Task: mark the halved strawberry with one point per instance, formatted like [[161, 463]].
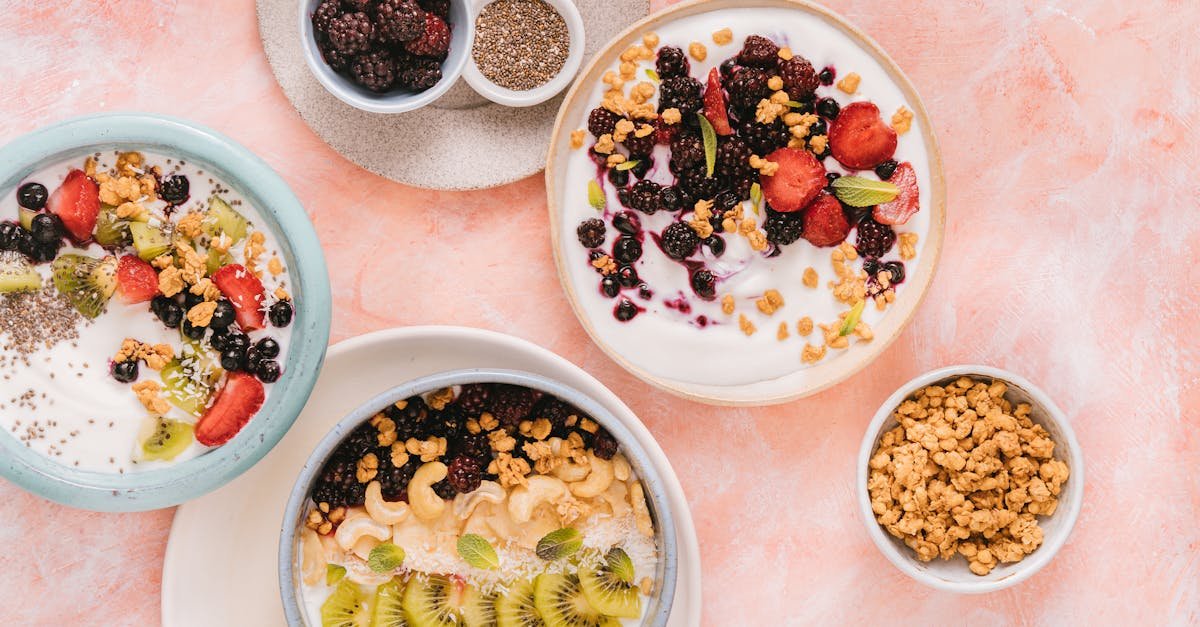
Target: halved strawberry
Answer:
[[77, 204], [824, 222], [907, 203], [245, 293], [235, 405], [137, 282], [799, 178], [714, 104], [859, 138]]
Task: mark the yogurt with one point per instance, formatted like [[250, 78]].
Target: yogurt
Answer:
[[686, 343], [61, 400]]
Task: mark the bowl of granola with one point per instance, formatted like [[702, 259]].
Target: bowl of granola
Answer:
[[970, 479], [476, 497]]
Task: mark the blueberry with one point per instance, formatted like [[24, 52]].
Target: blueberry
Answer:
[[620, 178], [236, 341], [167, 310], [46, 228], [827, 75], [820, 128], [219, 339], [32, 196], [871, 266], [645, 292], [223, 315], [253, 358], [609, 287], [125, 371], [672, 199], [704, 284], [643, 166], [627, 276], [715, 245], [827, 108], [896, 269], [625, 310], [44, 252], [886, 169], [728, 67], [627, 250], [8, 235], [267, 371], [192, 331], [627, 222], [268, 348], [623, 196], [726, 200], [232, 359], [281, 313], [173, 188], [25, 242], [191, 300]]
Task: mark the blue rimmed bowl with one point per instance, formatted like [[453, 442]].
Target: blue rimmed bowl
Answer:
[[250, 176], [666, 575]]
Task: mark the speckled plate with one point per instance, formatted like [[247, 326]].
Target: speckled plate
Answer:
[[458, 129]]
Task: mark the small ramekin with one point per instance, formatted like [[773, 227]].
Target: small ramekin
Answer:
[[953, 575], [542, 93]]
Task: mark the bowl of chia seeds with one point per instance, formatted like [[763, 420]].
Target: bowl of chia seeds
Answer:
[[524, 51]]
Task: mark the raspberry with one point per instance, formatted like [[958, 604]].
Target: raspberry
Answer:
[[410, 419], [434, 42], [686, 151], [644, 197], [604, 445], [440, 8], [601, 121], [696, 185], [759, 51], [512, 403], [683, 93], [874, 239], [351, 33], [639, 147], [733, 159], [671, 62], [399, 20], [374, 70], [420, 74], [325, 14], [799, 78], [764, 138], [474, 398], [464, 473], [748, 87], [783, 228], [338, 484], [679, 241], [591, 233]]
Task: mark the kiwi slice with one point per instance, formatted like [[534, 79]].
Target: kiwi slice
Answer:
[[16, 275], [221, 218], [515, 608], [387, 609], [344, 607], [561, 602], [25, 217], [609, 590], [111, 230], [164, 439], [478, 609], [216, 260], [433, 601], [86, 281], [185, 386], [149, 241]]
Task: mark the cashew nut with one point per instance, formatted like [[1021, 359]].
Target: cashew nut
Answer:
[[641, 512], [312, 557], [621, 467], [487, 492], [615, 496], [388, 513], [540, 489], [571, 472], [359, 525], [425, 503], [597, 481]]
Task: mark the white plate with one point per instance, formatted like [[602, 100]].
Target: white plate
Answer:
[[220, 566]]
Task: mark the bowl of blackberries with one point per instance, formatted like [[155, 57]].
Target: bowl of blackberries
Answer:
[[386, 56]]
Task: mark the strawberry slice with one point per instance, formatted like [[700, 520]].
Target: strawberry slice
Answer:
[[137, 282], [824, 222], [245, 293], [714, 104], [77, 204], [234, 406], [907, 203], [859, 139], [799, 178]]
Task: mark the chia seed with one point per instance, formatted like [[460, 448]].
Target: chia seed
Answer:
[[520, 44]]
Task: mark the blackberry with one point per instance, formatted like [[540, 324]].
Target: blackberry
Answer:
[[512, 403], [464, 473], [644, 197], [671, 62], [697, 185], [591, 233], [604, 445], [639, 147], [799, 78], [440, 8], [351, 33], [449, 423], [644, 163], [729, 67], [681, 92], [733, 159], [601, 121], [758, 51], [886, 169], [358, 5], [420, 74], [679, 241], [337, 484], [445, 489], [409, 419], [474, 398], [325, 14], [783, 228], [704, 284], [334, 58], [434, 40], [672, 198], [393, 480], [557, 412], [174, 188], [686, 151], [764, 138], [474, 445], [399, 20], [364, 439], [874, 239], [748, 87], [375, 70]]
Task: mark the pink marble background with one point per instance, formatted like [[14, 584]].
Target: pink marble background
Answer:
[[1069, 135]]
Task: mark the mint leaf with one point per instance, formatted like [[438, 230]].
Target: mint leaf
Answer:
[[619, 564], [653, 75], [756, 196], [852, 319], [627, 165], [478, 552], [385, 557], [559, 544], [857, 191], [596, 196], [710, 144]]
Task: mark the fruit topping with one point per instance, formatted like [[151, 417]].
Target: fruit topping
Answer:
[[222, 218], [169, 312], [515, 607], [874, 239], [609, 586], [374, 70], [399, 21], [387, 609], [125, 371], [824, 222], [434, 41], [281, 313], [671, 62], [591, 233], [758, 51], [561, 601], [77, 203], [679, 241], [796, 183], [164, 439], [907, 202], [799, 78], [137, 282], [681, 92], [32, 196], [149, 241], [704, 284], [351, 33], [86, 281], [46, 228], [174, 188], [859, 138], [714, 104], [237, 401], [345, 606], [16, 275], [885, 170], [784, 228], [245, 292]]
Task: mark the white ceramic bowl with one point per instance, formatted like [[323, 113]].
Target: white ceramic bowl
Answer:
[[953, 575], [537, 95]]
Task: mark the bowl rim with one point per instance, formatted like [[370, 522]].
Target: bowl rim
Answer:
[[398, 102], [512, 98], [1068, 509], [639, 457], [245, 172], [830, 372]]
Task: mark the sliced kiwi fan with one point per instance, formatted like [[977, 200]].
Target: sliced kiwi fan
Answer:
[[85, 281]]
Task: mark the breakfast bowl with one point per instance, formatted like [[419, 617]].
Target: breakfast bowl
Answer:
[[111, 310], [472, 494], [432, 68], [1008, 501]]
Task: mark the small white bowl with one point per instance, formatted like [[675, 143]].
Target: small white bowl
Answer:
[[544, 92], [952, 575]]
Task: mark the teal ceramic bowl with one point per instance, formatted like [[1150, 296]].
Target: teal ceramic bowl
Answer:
[[247, 174]]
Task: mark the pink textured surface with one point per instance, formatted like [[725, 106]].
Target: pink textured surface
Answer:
[[1068, 130]]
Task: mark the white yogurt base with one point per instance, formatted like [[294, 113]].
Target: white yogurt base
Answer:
[[88, 419], [661, 340]]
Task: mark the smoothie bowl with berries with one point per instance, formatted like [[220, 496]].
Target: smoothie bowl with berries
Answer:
[[480, 498], [754, 184], [158, 333]]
